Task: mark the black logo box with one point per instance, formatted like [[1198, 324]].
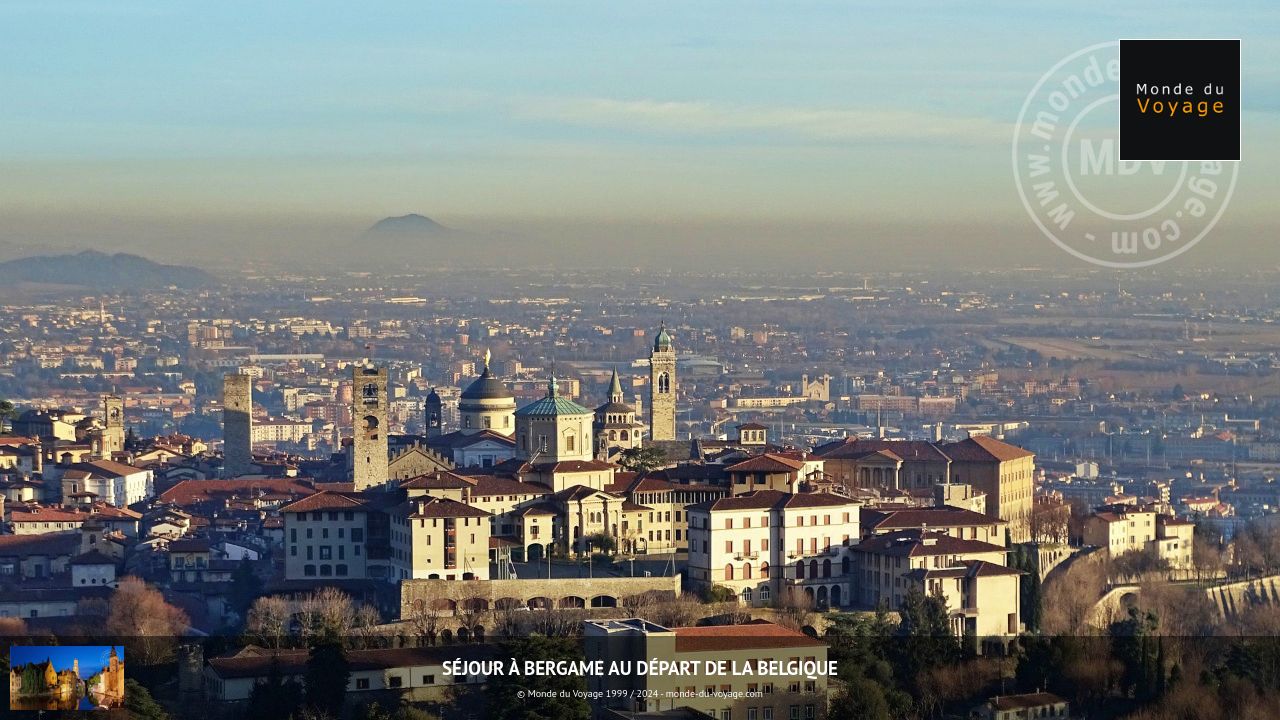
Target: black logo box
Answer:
[[1184, 65]]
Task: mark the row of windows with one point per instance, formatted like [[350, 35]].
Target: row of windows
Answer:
[[339, 570], [357, 534], [348, 515]]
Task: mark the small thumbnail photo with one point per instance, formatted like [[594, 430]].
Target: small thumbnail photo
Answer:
[[66, 677]]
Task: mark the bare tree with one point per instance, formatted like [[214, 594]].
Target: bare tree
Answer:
[[1070, 596], [1050, 521], [795, 609], [140, 611], [366, 627], [680, 612], [470, 611], [326, 613], [424, 618], [269, 619]]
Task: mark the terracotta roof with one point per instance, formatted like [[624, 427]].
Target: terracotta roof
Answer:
[[755, 635], [324, 501], [485, 485], [895, 519], [46, 514], [770, 499], [982, 448], [767, 463], [965, 568], [191, 492], [919, 543], [571, 466], [93, 557], [105, 468], [439, 480], [852, 448], [444, 508], [43, 544]]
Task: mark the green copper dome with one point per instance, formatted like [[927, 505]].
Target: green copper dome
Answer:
[[552, 405], [663, 340]]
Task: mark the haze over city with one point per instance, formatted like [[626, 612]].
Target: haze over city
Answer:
[[566, 134]]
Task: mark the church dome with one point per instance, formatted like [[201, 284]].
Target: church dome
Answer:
[[486, 387], [663, 340], [552, 405]]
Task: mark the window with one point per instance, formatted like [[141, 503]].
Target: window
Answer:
[[428, 679], [357, 534], [362, 683], [394, 681], [309, 570]]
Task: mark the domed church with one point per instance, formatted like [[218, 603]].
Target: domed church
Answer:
[[615, 423]]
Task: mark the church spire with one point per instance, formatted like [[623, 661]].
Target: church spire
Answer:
[[615, 387]]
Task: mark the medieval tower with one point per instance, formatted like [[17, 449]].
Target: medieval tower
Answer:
[[662, 388], [434, 414], [113, 425], [369, 446], [237, 425]]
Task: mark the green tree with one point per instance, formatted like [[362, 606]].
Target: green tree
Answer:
[[246, 586], [1031, 601], [642, 459], [326, 678], [925, 640], [862, 699], [140, 704], [1135, 645], [8, 413], [719, 593], [510, 696]]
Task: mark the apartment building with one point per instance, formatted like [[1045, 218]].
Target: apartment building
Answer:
[[326, 536], [1124, 529], [765, 543], [437, 538], [884, 562]]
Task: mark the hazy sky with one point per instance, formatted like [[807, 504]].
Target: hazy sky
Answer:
[[283, 119]]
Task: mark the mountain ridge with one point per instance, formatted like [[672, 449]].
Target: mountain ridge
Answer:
[[95, 269]]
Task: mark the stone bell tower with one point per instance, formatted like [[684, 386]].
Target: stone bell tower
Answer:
[[369, 453], [662, 387], [113, 425]]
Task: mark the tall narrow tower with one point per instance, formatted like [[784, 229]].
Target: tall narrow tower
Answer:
[[113, 425], [662, 387], [434, 414], [369, 446], [237, 425]]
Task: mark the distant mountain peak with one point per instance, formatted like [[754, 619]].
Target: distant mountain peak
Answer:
[[412, 222], [91, 268]]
